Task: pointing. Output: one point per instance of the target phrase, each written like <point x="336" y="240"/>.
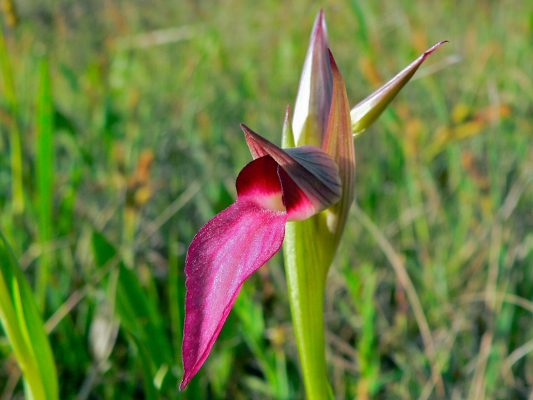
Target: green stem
<point x="306" y="269"/>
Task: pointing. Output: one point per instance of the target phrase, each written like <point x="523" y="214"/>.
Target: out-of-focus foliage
<point x="119" y="138"/>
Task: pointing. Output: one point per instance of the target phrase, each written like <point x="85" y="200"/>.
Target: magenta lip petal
<point x="298" y="205"/>
<point x="222" y="255"/>
<point x="259" y="182"/>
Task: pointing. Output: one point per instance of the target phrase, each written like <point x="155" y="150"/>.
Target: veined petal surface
<point x="222" y="255"/>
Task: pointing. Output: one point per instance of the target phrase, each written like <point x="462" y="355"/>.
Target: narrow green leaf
<point x="136" y="311"/>
<point x="362" y="282"/>
<point x="147" y="368"/>
<point x="45" y="177"/>
<point x="139" y="315"/>
<point x="24" y="328"/>
<point x="175" y="296"/>
<point x="15" y="137"/>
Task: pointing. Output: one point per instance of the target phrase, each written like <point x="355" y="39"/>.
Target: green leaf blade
<point x="24" y="327"/>
<point x="45" y="176"/>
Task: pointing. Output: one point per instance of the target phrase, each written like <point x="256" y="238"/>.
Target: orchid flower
<point x="301" y="192"/>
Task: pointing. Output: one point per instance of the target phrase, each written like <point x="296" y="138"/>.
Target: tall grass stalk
<point x="9" y="92"/>
<point x="45" y="178"/>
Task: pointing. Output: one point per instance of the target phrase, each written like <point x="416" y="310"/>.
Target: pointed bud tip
<point x="247" y="131"/>
<point x="253" y="140"/>
<point x="319" y="28"/>
<point x="434" y="47"/>
<point x="249" y="134"/>
<point x="320" y="18"/>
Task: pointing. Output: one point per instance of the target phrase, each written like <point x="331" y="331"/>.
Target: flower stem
<point x="306" y="269"/>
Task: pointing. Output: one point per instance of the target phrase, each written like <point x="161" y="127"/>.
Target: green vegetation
<point x="119" y="138"/>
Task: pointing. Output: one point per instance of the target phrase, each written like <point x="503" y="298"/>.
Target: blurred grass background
<point x="120" y="138"/>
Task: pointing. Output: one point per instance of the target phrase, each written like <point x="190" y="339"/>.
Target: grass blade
<point x="139" y="317"/>
<point x="16" y="142"/>
<point x="45" y="176"/>
<point x="24" y="328"/>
